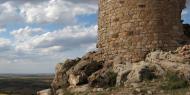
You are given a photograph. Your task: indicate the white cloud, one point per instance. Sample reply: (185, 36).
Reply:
(52, 49)
(23, 34)
(68, 38)
(31, 50)
(39, 1)
(90, 47)
(55, 11)
(40, 52)
(24, 66)
(2, 30)
(5, 44)
(44, 11)
(8, 13)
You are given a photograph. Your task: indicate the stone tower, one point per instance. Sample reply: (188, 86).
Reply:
(132, 28)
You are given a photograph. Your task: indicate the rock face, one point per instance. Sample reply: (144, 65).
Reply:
(140, 72)
(85, 73)
(73, 80)
(73, 73)
(61, 76)
(122, 70)
(177, 62)
(133, 28)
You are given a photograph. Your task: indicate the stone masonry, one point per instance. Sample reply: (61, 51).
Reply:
(133, 28)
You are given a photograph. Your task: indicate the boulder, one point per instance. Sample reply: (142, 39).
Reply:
(92, 67)
(177, 62)
(61, 77)
(45, 92)
(179, 56)
(76, 72)
(103, 78)
(60, 92)
(73, 80)
(60, 81)
(184, 52)
(122, 71)
(140, 71)
(87, 66)
(84, 69)
(69, 63)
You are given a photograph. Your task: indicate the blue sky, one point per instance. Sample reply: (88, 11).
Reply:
(35, 35)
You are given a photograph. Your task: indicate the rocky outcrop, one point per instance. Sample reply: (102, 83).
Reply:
(136, 72)
(87, 73)
(60, 73)
(73, 80)
(141, 71)
(177, 62)
(122, 69)
(103, 79)
(74, 73)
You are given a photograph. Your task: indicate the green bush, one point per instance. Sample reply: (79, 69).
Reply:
(112, 76)
(66, 92)
(101, 93)
(172, 82)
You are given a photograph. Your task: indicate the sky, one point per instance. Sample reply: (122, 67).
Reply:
(35, 35)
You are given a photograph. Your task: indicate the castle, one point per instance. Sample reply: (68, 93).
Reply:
(133, 28)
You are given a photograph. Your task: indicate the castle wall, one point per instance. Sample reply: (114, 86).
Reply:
(132, 28)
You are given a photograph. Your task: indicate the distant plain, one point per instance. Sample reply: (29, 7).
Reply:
(24, 84)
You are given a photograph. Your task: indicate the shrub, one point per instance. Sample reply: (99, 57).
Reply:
(112, 76)
(172, 81)
(101, 93)
(66, 92)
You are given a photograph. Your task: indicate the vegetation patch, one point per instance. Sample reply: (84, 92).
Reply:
(172, 82)
(101, 93)
(66, 92)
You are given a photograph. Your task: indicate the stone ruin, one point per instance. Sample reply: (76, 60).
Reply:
(137, 39)
(133, 28)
